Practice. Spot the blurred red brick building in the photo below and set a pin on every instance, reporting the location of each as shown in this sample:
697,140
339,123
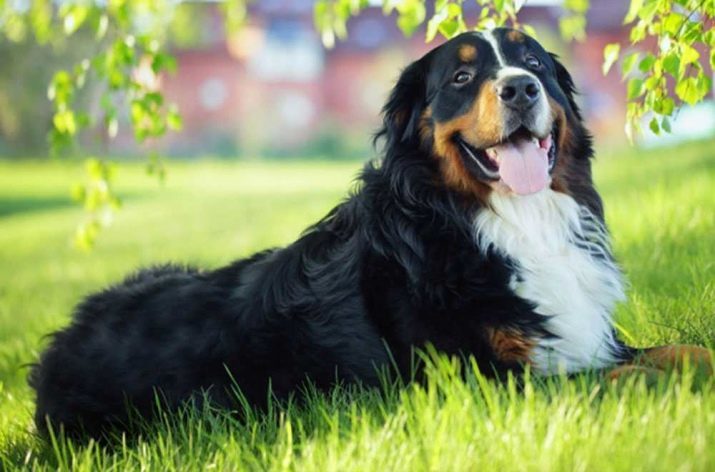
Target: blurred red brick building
272,89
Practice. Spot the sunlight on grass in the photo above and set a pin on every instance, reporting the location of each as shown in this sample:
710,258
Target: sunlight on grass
660,209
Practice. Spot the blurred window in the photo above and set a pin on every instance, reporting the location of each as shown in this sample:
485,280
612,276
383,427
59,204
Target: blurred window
291,52
285,6
369,33
295,110
212,94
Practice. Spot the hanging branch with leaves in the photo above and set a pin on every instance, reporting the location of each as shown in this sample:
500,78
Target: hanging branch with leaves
680,33
131,55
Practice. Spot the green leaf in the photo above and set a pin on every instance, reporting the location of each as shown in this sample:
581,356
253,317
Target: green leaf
633,9
153,99
647,62
573,27
693,32
94,168
638,32
688,55
83,119
74,17
162,61
173,119
434,23
671,64
321,15
84,238
65,122
672,23
449,28
410,17
577,6
628,62
704,84
647,10
635,88
687,90
454,9
610,56
654,127
665,125
668,105
651,83
61,88
137,111
709,38
102,24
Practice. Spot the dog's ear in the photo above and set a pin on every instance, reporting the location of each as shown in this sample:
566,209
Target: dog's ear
566,83
401,113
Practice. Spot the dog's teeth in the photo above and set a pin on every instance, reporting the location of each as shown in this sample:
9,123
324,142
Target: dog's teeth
492,153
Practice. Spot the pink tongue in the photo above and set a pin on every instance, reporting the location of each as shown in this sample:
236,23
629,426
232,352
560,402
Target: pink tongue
523,166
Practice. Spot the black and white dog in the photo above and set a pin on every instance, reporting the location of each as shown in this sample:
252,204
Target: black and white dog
478,232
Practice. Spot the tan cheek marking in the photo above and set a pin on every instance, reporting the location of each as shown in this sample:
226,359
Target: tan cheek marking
451,165
489,117
564,142
467,53
559,116
509,345
515,36
482,124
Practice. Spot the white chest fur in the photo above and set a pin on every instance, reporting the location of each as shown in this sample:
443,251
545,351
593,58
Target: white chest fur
564,269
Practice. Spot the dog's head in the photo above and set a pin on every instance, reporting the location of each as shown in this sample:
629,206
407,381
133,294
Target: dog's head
493,108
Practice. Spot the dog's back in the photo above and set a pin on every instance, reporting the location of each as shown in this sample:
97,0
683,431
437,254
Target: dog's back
165,329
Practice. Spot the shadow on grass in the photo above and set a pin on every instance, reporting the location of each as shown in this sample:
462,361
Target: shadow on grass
10,206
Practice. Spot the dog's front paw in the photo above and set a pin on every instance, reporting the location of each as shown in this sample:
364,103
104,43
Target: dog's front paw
626,371
675,357
652,363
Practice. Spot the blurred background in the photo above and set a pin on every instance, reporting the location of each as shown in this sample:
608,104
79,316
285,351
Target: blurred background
272,89
275,127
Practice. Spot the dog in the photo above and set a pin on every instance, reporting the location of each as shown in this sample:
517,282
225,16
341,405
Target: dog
478,232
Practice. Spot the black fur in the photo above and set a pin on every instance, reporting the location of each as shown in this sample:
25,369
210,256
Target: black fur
393,267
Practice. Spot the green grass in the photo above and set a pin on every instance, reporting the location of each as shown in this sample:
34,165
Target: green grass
661,211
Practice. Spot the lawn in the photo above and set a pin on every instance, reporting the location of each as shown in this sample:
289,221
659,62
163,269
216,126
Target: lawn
660,209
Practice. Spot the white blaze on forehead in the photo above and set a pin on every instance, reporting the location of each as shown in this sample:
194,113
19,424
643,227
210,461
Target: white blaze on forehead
544,119
489,36
510,71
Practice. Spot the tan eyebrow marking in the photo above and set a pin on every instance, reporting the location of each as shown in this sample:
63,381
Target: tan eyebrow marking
467,52
515,36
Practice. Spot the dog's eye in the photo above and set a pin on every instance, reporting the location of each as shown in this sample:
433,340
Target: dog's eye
462,77
532,61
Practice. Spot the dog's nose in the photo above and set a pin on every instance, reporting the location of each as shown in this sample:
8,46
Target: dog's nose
520,92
